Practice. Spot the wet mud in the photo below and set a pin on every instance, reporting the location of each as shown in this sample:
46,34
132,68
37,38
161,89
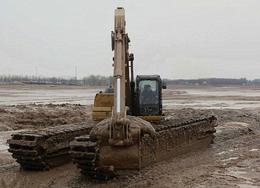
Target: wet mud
37,116
232,161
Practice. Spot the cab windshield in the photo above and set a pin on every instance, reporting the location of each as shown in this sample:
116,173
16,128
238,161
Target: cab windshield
148,97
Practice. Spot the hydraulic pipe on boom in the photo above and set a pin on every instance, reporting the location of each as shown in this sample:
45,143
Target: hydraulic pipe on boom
119,123
119,63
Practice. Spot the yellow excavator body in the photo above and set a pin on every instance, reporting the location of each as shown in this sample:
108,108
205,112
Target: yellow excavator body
103,104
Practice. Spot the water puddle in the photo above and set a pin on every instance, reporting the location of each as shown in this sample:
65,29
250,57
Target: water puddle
221,153
247,186
3,146
240,177
236,124
230,159
45,96
253,149
225,152
241,174
4,136
210,104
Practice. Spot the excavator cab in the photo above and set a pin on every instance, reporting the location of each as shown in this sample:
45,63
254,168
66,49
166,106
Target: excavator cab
149,95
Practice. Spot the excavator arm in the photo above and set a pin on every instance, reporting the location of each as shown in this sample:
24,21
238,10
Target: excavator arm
119,126
119,43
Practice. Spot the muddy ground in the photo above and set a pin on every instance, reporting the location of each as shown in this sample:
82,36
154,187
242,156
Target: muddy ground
232,161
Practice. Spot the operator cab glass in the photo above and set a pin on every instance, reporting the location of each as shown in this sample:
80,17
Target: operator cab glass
148,97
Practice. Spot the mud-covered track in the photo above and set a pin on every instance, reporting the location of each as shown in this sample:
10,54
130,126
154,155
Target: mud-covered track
177,137
46,148
85,155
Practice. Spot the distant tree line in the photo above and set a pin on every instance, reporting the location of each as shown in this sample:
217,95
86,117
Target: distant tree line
254,82
213,81
99,80
34,79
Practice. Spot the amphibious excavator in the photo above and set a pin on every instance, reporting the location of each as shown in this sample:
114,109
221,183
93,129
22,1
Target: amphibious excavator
128,130
132,132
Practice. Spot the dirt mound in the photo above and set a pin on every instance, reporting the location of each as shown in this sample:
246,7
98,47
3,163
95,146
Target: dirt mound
40,116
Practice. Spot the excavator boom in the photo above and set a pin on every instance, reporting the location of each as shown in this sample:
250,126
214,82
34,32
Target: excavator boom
119,40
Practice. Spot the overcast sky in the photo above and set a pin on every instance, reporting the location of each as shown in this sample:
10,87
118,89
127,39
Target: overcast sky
173,38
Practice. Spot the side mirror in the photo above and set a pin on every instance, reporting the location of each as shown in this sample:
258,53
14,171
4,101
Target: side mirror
164,86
